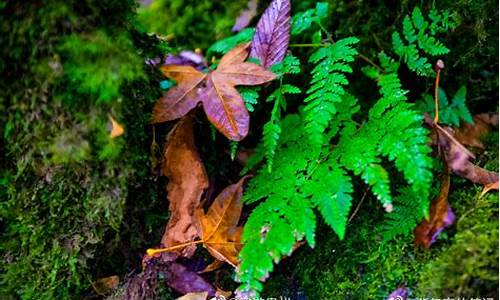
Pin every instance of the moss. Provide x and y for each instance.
(187, 22)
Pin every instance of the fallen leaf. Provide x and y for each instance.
(216, 264)
(183, 97)
(440, 216)
(489, 187)
(470, 134)
(116, 128)
(246, 16)
(105, 285)
(187, 58)
(220, 233)
(223, 294)
(401, 293)
(186, 281)
(216, 90)
(270, 41)
(194, 296)
(179, 277)
(458, 158)
(187, 181)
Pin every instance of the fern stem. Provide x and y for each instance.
(370, 62)
(439, 66)
(357, 207)
(324, 45)
(306, 45)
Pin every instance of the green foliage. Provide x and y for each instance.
(418, 39)
(303, 20)
(327, 86)
(450, 113)
(223, 46)
(311, 173)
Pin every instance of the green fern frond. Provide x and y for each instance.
(250, 95)
(327, 86)
(303, 20)
(420, 36)
(303, 180)
(223, 46)
(405, 216)
(450, 112)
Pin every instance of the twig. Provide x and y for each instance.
(357, 207)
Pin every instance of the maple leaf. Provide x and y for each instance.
(220, 232)
(440, 215)
(216, 91)
(187, 181)
(219, 229)
(270, 41)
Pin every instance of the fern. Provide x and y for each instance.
(223, 46)
(303, 20)
(450, 112)
(420, 37)
(272, 129)
(327, 86)
(304, 181)
(250, 95)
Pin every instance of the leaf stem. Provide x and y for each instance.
(306, 45)
(439, 66)
(152, 252)
(370, 62)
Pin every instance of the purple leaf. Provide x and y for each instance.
(246, 16)
(270, 42)
(401, 293)
(187, 58)
(164, 268)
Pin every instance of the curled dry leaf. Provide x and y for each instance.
(270, 41)
(187, 181)
(489, 187)
(440, 216)
(246, 16)
(458, 159)
(216, 90)
(219, 228)
(105, 285)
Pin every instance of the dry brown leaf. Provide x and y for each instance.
(216, 264)
(470, 134)
(220, 232)
(187, 181)
(216, 90)
(105, 285)
(440, 216)
(194, 296)
(116, 128)
(458, 159)
(489, 187)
